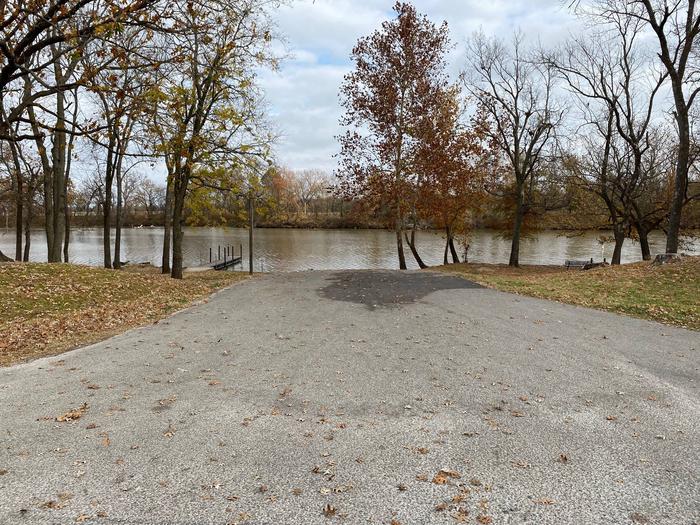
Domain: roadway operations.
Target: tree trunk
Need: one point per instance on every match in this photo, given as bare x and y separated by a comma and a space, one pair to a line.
27, 231
399, 245
48, 213
118, 217
412, 245
445, 261
681, 182
66, 184
66, 237
453, 250
19, 217
107, 207
117, 264
167, 223
4, 258
517, 229
179, 192
619, 241
644, 242
58, 155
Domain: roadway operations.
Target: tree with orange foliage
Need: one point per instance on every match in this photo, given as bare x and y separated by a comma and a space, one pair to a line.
454, 159
398, 81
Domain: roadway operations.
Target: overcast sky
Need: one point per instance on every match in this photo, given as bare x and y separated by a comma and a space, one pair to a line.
303, 95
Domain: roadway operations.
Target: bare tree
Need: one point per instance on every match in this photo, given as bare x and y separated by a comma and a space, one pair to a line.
609, 76
517, 94
308, 186
676, 26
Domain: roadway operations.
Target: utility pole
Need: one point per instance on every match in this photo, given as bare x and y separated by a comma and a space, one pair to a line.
251, 226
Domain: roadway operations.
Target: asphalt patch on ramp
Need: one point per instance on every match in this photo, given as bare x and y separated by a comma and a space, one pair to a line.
381, 289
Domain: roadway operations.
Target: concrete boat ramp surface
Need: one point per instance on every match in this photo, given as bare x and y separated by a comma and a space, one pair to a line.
360, 397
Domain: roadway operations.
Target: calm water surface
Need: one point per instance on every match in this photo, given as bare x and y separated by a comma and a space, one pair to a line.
292, 250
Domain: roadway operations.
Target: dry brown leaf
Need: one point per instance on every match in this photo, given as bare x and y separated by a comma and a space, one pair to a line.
545, 501
73, 414
329, 511
443, 476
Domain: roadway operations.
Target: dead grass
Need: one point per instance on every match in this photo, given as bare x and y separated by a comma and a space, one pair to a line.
669, 293
46, 309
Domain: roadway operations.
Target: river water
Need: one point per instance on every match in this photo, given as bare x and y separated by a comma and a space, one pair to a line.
292, 250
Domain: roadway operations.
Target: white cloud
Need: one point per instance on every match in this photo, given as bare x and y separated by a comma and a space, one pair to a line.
320, 35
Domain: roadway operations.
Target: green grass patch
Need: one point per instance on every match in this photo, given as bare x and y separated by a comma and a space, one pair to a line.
667, 293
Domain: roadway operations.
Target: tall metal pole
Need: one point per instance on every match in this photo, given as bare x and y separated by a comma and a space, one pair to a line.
251, 217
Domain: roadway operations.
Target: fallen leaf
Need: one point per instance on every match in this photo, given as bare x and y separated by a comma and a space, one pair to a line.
545, 501
170, 431
329, 511
74, 414
443, 476
461, 516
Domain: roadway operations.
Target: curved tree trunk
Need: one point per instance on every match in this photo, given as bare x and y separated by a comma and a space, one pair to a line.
412, 245
4, 258
453, 251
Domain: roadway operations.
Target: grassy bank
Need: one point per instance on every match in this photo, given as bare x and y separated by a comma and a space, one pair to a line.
46, 309
669, 293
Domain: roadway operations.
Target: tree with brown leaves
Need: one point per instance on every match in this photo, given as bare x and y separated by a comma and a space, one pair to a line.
454, 159
398, 81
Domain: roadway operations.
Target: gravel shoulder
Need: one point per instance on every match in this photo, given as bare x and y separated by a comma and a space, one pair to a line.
327, 397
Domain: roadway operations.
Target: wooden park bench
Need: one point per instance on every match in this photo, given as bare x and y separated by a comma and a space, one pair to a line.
573, 263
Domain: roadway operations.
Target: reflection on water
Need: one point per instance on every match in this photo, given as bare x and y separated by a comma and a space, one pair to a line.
292, 250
